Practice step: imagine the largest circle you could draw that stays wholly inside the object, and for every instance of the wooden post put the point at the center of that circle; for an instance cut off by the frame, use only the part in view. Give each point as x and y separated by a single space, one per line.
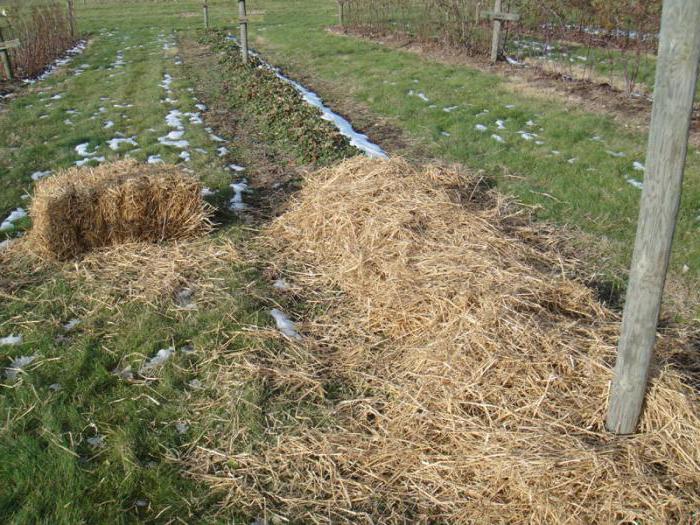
243 20
341 8
676 77
71 18
206 16
496 39
5 56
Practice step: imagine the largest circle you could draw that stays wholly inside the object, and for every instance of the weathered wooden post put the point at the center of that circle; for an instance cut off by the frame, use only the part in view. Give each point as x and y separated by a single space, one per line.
243 20
341 13
206 15
5 55
71 17
496 39
676 77
498 18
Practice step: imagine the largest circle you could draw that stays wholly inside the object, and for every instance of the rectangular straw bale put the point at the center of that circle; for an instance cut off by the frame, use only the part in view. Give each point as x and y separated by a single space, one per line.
80 209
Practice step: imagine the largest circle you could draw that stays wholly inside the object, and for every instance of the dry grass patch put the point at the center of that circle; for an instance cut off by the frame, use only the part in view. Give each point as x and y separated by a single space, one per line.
81 209
466 372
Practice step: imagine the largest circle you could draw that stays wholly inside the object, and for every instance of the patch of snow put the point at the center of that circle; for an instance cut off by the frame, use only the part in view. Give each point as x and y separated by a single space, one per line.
71 324
116 143
87 160
500 124
161 357
184 155
450 109
97 441
11 340
527 136
201 107
634 182
572 160
236 203
38 175
8 223
284 324
445 134
617 154
638 166
17 364
497 138
109 124
154 159
207 192
480 127
281 284
223 150
82 150
236 167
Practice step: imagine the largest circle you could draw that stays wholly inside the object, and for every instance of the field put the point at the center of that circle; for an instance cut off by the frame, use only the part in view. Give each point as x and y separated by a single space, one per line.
158 385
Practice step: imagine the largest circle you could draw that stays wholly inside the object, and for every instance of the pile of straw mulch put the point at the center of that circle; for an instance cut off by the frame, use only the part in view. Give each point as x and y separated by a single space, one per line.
466 373
81 209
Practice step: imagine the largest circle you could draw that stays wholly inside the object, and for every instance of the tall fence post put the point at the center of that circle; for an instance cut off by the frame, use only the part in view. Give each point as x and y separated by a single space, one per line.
496 39
206 15
243 20
71 17
676 77
341 13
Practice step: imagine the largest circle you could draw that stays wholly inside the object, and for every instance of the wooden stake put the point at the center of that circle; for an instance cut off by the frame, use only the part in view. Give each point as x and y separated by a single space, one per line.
5 56
71 18
243 20
496 39
341 8
206 16
676 77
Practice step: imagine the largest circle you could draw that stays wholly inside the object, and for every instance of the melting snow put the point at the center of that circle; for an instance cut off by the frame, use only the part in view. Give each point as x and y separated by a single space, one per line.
14 216
236 203
154 159
617 154
71 324
11 340
17 364
161 357
638 166
236 167
450 109
82 150
207 192
634 182
284 324
480 127
500 124
116 143
497 138
38 175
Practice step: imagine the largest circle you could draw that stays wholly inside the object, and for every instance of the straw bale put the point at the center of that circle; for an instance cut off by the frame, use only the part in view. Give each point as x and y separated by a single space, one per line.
474 371
80 209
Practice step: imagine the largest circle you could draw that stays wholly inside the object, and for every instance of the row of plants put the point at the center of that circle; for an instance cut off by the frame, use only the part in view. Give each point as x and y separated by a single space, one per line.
558 31
283 114
45 30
